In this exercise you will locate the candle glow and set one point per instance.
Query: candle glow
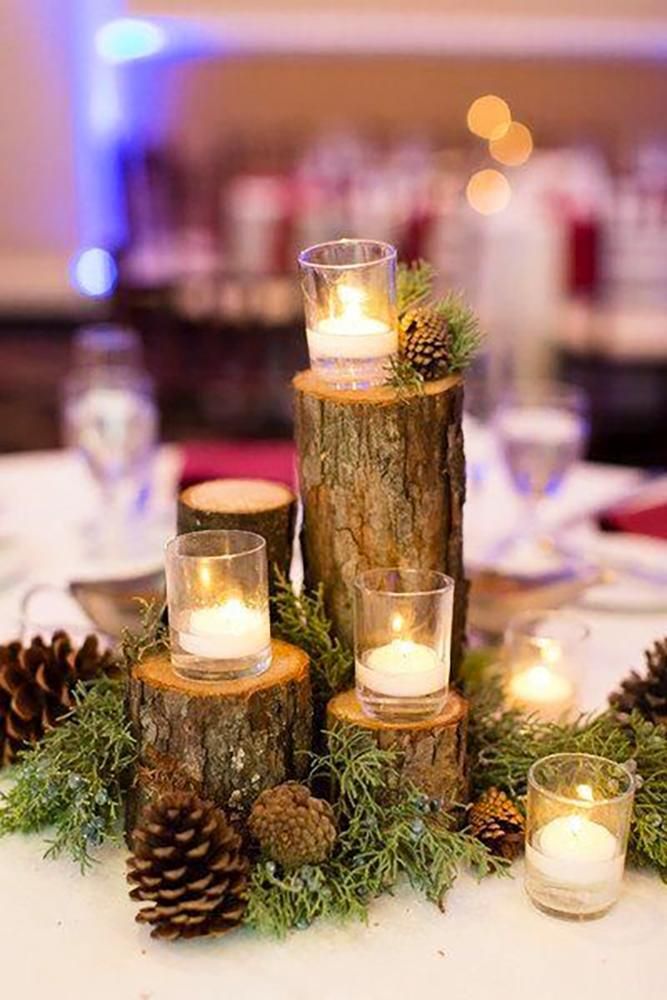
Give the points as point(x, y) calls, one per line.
point(225, 631)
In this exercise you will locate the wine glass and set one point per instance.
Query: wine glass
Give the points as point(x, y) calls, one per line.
point(542, 429)
point(110, 417)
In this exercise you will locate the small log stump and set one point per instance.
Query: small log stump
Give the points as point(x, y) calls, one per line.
point(227, 741)
point(259, 505)
point(431, 753)
point(383, 484)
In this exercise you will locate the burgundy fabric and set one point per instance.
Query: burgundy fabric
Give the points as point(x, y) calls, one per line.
point(651, 521)
point(203, 460)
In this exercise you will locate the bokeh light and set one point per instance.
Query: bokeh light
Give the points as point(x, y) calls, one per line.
point(93, 272)
point(488, 191)
point(128, 38)
point(489, 117)
point(514, 147)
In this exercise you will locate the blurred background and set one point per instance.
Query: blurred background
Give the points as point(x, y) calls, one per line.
point(164, 161)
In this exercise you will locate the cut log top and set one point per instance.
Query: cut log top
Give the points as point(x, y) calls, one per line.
point(309, 383)
point(289, 663)
point(345, 707)
point(237, 496)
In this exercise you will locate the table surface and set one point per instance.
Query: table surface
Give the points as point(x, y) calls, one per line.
point(70, 937)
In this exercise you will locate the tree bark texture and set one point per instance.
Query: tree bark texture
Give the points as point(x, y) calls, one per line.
point(383, 484)
point(227, 741)
point(431, 753)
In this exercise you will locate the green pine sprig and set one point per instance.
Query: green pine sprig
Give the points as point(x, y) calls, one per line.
point(465, 333)
point(302, 620)
point(151, 638)
point(404, 378)
point(74, 779)
point(379, 844)
point(414, 285)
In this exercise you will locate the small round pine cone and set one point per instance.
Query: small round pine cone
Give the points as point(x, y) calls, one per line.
point(188, 863)
point(425, 341)
point(496, 821)
point(291, 826)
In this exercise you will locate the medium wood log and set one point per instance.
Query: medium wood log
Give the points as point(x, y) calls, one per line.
point(431, 753)
point(228, 741)
point(259, 505)
point(383, 484)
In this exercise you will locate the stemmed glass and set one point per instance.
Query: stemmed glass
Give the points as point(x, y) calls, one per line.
point(110, 418)
point(542, 429)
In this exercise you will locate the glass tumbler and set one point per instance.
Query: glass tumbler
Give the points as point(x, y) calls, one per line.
point(218, 598)
point(349, 290)
point(578, 822)
point(402, 639)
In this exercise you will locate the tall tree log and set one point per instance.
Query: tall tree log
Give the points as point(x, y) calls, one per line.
point(383, 484)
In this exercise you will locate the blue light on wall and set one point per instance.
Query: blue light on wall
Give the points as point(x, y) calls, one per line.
point(127, 38)
point(94, 272)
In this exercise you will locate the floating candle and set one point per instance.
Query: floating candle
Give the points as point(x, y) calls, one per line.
point(402, 668)
point(226, 631)
point(542, 690)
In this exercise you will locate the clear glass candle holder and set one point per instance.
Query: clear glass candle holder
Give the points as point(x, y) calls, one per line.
point(218, 598)
point(542, 655)
point(579, 811)
point(349, 290)
point(402, 638)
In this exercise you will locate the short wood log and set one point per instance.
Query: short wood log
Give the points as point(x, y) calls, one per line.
point(431, 753)
point(259, 505)
point(383, 484)
point(228, 741)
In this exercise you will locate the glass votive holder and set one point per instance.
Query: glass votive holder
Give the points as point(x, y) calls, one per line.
point(218, 598)
point(543, 662)
point(402, 638)
point(577, 827)
point(349, 290)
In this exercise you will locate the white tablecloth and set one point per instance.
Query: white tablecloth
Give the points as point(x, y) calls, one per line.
point(74, 938)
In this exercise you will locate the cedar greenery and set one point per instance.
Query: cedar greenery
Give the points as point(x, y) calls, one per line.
point(414, 285)
point(465, 335)
point(302, 620)
point(74, 779)
point(151, 638)
point(379, 843)
point(404, 377)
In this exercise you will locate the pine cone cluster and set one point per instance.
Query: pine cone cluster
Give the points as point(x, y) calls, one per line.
point(291, 826)
point(188, 862)
point(426, 341)
point(645, 693)
point(496, 821)
point(36, 685)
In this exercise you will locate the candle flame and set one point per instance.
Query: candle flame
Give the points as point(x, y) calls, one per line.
point(351, 301)
point(585, 792)
point(397, 624)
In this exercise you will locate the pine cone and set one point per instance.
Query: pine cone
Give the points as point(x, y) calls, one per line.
point(36, 685)
point(646, 694)
point(292, 827)
point(188, 862)
point(496, 821)
point(426, 341)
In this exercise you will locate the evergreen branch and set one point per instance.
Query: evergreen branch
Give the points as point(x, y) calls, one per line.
point(380, 842)
point(74, 778)
point(465, 334)
point(404, 378)
point(150, 639)
point(302, 620)
point(414, 285)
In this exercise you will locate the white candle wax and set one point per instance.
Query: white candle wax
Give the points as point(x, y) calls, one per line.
point(226, 631)
point(351, 333)
point(576, 851)
point(402, 668)
point(542, 690)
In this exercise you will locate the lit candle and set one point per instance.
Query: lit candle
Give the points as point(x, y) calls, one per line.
point(542, 690)
point(402, 668)
point(350, 332)
point(226, 631)
point(575, 851)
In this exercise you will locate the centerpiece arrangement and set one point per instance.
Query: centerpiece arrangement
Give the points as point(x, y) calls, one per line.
point(283, 755)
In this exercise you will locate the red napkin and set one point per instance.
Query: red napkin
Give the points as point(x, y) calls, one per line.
point(251, 459)
point(637, 518)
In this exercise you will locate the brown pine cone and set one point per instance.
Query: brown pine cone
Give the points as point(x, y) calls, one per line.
point(646, 694)
point(496, 821)
point(291, 826)
point(36, 685)
point(189, 864)
point(425, 341)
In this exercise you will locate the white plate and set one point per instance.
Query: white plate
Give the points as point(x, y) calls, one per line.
point(631, 562)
